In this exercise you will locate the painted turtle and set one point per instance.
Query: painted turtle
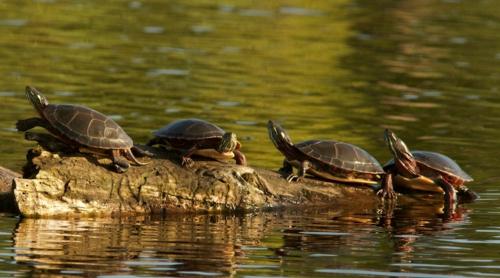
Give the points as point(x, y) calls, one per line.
point(198, 137)
point(332, 160)
point(83, 129)
point(423, 171)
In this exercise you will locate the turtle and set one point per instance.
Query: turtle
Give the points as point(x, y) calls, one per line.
point(327, 159)
point(82, 129)
point(199, 137)
point(423, 171)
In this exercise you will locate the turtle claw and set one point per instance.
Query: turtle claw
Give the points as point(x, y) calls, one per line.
point(386, 194)
point(119, 169)
point(293, 177)
point(187, 162)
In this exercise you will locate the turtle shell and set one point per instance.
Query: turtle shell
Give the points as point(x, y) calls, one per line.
point(341, 155)
point(438, 162)
point(86, 126)
point(190, 129)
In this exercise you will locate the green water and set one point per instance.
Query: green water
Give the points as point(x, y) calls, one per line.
point(341, 70)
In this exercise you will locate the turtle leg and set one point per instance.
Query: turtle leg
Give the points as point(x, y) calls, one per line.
point(186, 159)
point(154, 141)
point(120, 164)
point(466, 194)
point(304, 166)
point(387, 190)
point(26, 124)
point(140, 152)
point(48, 141)
point(240, 158)
point(130, 156)
point(287, 169)
point(450, 197)
point(450, 194)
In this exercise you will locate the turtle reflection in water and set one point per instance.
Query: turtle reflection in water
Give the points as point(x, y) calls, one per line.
point(423, 171)
point(82, 129)
point(332, 160)
point(198, 137)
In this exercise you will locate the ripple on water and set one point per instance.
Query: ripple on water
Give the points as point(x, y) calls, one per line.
point(13, 22)
point(313, 233)
point(172, 110)
point(227, 103)
point(256, 266)
point(299, 11)
point(199, 273)
point(256, 13)
point(171, 72)
point(202, 29)
point(116, 117)
point(152, 263)
point(246, 123)
point(135, 5)
point(385, 273)
point(153, 29)
point(64, 93)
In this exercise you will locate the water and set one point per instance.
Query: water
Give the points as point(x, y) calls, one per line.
point(325, 69)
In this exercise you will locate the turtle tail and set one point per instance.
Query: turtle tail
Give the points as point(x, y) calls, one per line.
point(38, 100)
point(130, 156)
point(279, 137)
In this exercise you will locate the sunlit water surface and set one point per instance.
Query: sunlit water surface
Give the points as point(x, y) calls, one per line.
point(342, 70)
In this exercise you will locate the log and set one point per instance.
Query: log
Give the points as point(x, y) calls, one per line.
point(7, 200)
point(75, 184)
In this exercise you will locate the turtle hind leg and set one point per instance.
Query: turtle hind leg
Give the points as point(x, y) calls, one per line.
point(120, 164)
point(467, 195)
point(27, 124)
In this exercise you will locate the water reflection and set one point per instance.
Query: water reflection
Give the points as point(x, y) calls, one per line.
point(289, 242)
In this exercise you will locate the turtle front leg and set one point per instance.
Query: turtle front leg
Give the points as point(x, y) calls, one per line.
point(287, 168)
point(154, 141)
point(120, 164)
point(48, 141)
point(27, 124)
point(387, 190)
point(304, 166)
point(450, 194)
point(186, 159)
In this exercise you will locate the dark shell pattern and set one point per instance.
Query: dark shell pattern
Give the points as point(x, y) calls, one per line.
point(87, 126)
point(190, 129)
point(438, 162)
point(341, 155)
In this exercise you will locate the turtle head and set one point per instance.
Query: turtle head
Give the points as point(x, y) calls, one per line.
point(396, 145)
point(278, 136)
point(403, 157)
point(38, 100)
point(229, 143)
